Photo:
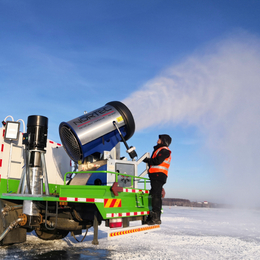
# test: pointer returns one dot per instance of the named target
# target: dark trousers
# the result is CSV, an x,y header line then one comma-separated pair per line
x,y
156,193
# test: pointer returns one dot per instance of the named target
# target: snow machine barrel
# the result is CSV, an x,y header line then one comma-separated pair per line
x,y
37,128
35,172
95,132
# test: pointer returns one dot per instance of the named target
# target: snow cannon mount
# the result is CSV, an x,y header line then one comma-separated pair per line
x,y
103,187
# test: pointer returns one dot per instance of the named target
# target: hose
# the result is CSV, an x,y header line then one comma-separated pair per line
x,y
72,233
11,226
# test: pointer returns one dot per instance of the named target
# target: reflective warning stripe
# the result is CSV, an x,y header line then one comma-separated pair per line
x,y
127,231
51,142
112,203
135,191
2,149
117,203
91,200
159,167
127,214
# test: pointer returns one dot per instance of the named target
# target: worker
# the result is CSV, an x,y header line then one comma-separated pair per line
x,y
159,164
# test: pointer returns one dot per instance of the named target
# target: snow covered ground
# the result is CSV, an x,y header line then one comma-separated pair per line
x,y
186,233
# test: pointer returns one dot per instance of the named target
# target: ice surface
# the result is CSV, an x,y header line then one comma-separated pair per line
x,y
186,233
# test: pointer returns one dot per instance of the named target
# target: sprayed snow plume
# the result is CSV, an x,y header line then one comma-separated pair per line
x,y
218,91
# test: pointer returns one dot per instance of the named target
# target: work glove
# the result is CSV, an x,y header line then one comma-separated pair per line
x,y
146,160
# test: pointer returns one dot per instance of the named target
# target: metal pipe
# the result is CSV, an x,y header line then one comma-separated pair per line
x,y
123,139
9,166
47,192
28,155
21,183
64,224
11,226
95,226
8,208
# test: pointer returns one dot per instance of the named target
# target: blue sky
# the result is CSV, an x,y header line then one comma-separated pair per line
x,y
61,58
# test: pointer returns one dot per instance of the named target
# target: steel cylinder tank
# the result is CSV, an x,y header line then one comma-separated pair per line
x,y
95,132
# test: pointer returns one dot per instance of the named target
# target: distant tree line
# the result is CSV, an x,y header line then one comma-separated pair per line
x,y
188,203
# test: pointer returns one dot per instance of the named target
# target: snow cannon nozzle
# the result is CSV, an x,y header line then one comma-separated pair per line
x,y
95,132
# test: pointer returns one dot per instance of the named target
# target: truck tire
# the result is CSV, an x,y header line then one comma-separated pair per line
x,y
51,234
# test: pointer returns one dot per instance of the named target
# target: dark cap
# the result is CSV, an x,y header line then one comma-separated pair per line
x,y
166,140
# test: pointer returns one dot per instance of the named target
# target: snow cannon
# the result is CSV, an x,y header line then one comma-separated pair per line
x,y
98,131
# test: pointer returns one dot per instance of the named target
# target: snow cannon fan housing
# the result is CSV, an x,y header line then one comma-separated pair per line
x,y
95,132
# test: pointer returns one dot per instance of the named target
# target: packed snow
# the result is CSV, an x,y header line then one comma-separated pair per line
x,y
185,233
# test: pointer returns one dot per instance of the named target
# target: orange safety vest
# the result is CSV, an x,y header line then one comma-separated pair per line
x,y
164,166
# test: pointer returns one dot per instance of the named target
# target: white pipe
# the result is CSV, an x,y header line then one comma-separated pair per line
x,y
9,116
9,165
23,124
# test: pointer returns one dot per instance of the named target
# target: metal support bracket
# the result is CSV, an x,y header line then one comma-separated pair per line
x,y
95,226
48,214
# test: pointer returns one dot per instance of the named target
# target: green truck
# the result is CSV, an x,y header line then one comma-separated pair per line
x,y
55,189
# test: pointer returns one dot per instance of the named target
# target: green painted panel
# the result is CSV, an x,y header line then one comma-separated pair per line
x,y
78,191
130,202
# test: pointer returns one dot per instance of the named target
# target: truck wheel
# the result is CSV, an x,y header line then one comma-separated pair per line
x,y
51,234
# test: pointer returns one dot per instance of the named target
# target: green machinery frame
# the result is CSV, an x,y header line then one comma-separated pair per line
x,y
128,202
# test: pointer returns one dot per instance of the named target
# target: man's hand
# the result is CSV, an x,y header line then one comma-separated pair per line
x,y
146,160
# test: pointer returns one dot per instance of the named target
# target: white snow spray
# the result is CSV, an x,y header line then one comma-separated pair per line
x,y
218,91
